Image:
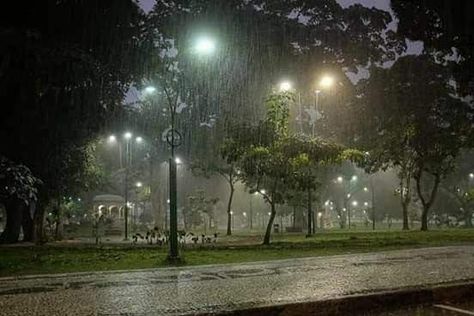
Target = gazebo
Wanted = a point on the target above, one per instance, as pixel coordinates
(110, 205)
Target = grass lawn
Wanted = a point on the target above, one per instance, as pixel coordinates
(57, 258)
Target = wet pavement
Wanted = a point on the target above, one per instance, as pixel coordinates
(219, 288)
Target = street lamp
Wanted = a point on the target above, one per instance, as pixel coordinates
(112, 139)
(326, 82)
(127, 135)
(285, 86)
(205, 46)
(150, 90)
(471, 175)
(139, 140)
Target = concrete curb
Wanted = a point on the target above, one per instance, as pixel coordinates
(363, 303)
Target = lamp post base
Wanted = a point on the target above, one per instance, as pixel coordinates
(175, 261)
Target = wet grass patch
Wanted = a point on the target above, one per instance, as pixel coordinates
(24, 260)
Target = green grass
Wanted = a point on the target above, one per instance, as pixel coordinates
(53, 258)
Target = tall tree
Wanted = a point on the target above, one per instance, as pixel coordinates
(411, 117)
(60, 78)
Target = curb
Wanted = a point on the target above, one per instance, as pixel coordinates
(361, 304)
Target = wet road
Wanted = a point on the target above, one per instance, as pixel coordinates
(192, 290)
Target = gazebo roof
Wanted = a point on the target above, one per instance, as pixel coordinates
(108, 198)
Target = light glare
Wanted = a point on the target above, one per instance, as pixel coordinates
(205, 45)
(326, 82)
(285, 86)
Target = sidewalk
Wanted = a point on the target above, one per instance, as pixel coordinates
(221, 288)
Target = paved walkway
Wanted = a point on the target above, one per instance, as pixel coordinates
(190, 290)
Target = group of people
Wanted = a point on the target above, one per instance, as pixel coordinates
(154, 236)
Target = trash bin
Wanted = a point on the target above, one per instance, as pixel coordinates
(276, 228)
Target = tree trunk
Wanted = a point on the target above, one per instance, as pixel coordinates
(266, 239)
(59, 222)
(294, 216)
(310, 212)
(426, 203)
(14, 215)
(467, 218)
(27, 224)
(405, 216)
(424, 219)
(229, 209)
(38, 224)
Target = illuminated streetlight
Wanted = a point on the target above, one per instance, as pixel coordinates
(339, 179)
(205, 45)
(150, 90)
(285, 86)
(354, 178)
(320, 214)
(366, 203)
(231, 212)
(348, 195)
(177, 160)
(269, 213)
(326, 82)
(471, 175)
(354, 203)
(366, 189)
(262, 191)
(112, 139)
(127, 135)
(244, 214)
(139, 140)
(139, 184)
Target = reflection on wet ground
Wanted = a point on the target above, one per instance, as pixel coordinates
(221, 288)
(447, 309)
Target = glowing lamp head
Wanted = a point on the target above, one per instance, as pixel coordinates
(139, 184)
(150, 90)
(354, 203)
(178, 161)
(127, 135)
(326, 82)
(205, 46)
(111, 139)
(285, 86)
(139, 140)
(339, 179)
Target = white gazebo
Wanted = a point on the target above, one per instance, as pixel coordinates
(110, 205)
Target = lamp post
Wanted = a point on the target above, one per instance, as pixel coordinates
(349, 191)
(112, 139)
(203, 46)
(138, 186)
(127, 137)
